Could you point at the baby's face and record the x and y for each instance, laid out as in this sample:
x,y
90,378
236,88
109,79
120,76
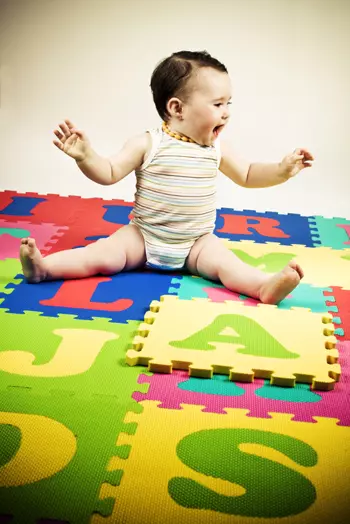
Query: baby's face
x,y
207,110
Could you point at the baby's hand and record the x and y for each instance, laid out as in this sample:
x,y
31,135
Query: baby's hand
x,y
72,141
295,162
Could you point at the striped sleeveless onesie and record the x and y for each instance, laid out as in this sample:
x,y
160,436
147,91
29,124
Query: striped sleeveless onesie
x,y
175,199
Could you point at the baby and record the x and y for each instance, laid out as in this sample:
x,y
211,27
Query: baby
x,y
176,167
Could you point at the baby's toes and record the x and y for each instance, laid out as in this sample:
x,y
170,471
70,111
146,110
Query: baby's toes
x,y
293,264
31,243
300,271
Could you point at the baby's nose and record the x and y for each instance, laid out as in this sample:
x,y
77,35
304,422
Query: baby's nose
x,y
226,113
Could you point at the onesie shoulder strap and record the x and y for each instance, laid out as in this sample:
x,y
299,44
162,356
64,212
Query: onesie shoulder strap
x,y
156,137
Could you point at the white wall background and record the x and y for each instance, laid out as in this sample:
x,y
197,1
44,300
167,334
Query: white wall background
x,y
91,61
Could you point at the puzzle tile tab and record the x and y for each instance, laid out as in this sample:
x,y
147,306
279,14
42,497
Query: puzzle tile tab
x,y
330,232
240,341
338,302
260,398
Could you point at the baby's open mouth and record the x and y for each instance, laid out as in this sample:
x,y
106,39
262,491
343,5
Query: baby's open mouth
x,y
218,129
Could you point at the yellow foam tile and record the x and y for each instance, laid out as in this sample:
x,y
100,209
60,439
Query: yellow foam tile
x,y
205,337
207,468
322,266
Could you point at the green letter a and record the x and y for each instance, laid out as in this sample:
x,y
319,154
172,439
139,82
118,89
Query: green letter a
x,y
247,332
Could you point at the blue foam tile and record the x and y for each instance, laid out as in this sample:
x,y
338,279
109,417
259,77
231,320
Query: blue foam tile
x,y
138,287
266,227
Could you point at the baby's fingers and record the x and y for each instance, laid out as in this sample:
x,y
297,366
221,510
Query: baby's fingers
x,y
73,129
305,153
296,156
65,129
70,125
78,132
58,144
58,134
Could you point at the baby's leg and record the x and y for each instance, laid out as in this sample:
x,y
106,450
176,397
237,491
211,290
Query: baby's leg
x,y
211,259
125,249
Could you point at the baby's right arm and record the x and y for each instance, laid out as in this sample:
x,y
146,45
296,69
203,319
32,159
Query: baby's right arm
x,y
104,171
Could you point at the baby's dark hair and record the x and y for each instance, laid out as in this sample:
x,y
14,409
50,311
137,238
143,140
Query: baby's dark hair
x,y
171,76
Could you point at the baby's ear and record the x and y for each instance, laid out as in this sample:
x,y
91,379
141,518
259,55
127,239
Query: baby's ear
x,y
174,107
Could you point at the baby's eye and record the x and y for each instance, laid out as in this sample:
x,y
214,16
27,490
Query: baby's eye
x,y
221,104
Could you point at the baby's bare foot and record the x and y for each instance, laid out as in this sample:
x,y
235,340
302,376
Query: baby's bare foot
x,y
281,284
32,261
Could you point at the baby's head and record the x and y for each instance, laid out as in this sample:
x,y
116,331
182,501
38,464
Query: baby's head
x,y
192,91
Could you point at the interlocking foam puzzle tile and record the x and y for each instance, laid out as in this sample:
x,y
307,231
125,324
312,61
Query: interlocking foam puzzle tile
x,y
338,304
240,341
4,197
304,295
81,357
223,294
121,297
259,397
113,211
77,236
56,452
323,267
187,287
82,212
39,209
17,203
9,269
12,232
330,232
263,227
205,473
95,223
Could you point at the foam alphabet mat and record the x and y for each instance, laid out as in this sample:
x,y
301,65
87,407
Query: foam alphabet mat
x,y
152,397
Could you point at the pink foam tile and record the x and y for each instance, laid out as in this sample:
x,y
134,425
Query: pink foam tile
x,y
10,243
331,404
220,295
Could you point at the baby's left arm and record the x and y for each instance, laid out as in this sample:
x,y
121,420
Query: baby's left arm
x,y
258,175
